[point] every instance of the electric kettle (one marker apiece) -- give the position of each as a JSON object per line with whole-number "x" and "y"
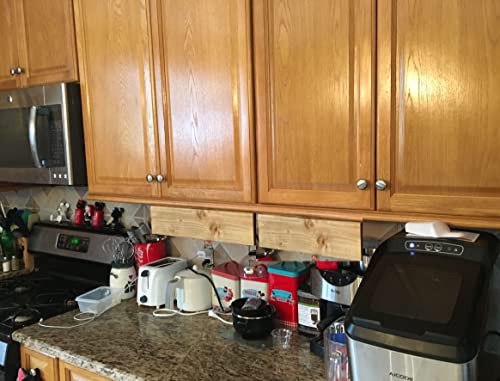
{"x": 193, "y": 292}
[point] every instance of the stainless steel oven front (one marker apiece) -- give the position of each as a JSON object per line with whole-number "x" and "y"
{"x": 41, "y": 135}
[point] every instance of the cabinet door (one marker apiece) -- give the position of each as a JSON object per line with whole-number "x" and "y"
{"x": 207, "y": 139}
{"x": 69, "y": 372}
{"x": 314, "y": 101}
{"x": 47, "y": 52}
{"x": 438, "y": 106}
{"x": 48, "y": 366}
{"x": 8, "y": 45}
{"x": 116, "y": 77}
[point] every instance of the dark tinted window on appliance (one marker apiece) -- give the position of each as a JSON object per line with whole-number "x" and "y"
{"x": 413, "y": 291}
{"x": 50, "y": 136}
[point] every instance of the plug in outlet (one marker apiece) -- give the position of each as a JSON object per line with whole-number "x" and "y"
{"x": 205, "y": 257}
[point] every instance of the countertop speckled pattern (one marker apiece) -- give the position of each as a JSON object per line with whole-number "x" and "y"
{"x": 127, "y": 343}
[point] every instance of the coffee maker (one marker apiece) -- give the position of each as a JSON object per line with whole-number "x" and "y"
{"x": 335, "y": 288}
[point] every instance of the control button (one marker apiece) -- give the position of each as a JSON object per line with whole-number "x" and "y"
{"x": 428, "y": 246}
{"x": 145, "y": 273}
{"x": 60, "y": 176}
{"x": 65, "y": 175}
{"x": 143, "y": 299}
{"x": 54, "y": 175}
{"x": 438, "y": 247}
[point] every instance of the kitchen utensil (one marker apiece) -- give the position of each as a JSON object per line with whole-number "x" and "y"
{"x": 284, "y": 281}
{"x": 153, "y": 279}
{"x": 336, "y": 358}
{"x": 226, "y": 278}
{"x": 193, "y": 292}
{"x": 252, "y": 324}
{"x": 282, "y": 338}
{"x": 149, "y": 252}
{"x": 123, "y": 276}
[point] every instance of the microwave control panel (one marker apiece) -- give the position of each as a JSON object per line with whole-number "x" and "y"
{"x": 73, "y": 243}
{"x": 434, "y": 246}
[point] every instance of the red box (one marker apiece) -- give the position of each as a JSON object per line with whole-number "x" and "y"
{"x": 284, "y": 281}
{"x": 149, "y": 252}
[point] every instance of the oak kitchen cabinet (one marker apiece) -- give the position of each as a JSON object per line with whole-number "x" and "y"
{"x": 314, "y": 64}
{"x": 167, "y": 87}
{"x": 438, "y": 107}
{"x": 35, "y": 51}
{"x": 117, "y": 84}
{"x": 54, "y": 369}
{"x": 205, "y": 93}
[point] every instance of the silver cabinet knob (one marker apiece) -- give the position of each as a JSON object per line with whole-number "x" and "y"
{"x": 381, "y": 185}
{"x": 19, "y": 70}
{"x": 12, "y": 71}
{"x": 362, "y": 184}
{"x": 160, "y": 178}
{"x": 149, "y": 178}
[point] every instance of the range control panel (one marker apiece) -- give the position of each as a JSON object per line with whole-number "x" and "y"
{"x": 73, "y": 243}
{"x": 433, "y": 246}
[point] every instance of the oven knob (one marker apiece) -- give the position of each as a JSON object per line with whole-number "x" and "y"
{"x": 143, "y": 299}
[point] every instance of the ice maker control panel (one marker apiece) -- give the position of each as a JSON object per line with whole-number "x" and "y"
{"x": 434, "y": 246}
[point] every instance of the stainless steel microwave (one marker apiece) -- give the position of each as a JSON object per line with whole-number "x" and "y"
{"x": 41, "y": 136}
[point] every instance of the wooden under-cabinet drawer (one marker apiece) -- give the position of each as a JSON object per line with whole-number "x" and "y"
{"x": 338, "y": 239}
{"x": 47, "y": 365}
{"x": 214, "y": 225}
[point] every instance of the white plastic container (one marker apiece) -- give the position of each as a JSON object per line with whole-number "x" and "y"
{"x": 254, "y": 283}
{"x": 99, "y": 300}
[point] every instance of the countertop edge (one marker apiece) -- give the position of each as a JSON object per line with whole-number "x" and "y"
{"x": 73, "y": 358}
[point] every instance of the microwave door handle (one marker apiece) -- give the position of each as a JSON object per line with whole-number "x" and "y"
{"x": 32, "y": 137}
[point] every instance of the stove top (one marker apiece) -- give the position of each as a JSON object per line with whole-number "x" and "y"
{"x": 26, "y": 299}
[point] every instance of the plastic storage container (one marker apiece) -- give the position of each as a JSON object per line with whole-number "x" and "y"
{"x": 254, "y": 282}
{"x": 284, "y": 281}
{"x": 226, "y": 278}
{"x": 99, "y": 300}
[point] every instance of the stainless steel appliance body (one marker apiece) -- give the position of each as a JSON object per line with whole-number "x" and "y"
{"x": 372, "y": 363}
{"x": 41, "y": 135}
{"x": 420, "y": 312}
{"x": 334, "y": 286}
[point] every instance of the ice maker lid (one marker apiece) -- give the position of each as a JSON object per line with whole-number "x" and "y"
{"x": 419, "y": 303}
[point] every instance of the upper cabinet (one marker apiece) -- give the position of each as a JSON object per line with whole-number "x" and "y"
{"x": 38, "y": 43}
{"x": 438, "y": 107}
{"x": 116, "y": 78}
{"x": 8, "y": 46}
{"x": 314, "y": 66}
{"x": 205, "y": 100}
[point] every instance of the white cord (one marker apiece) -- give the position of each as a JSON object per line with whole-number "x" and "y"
{"x": 83, "y": 321}
{"x": 168, "y": 312}
{"x": 215, "y": 314}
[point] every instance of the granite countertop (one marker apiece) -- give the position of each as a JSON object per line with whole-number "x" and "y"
{"x": 128, "y": 343}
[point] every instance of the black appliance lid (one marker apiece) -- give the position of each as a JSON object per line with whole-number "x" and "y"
{"x": 421, "y": 303}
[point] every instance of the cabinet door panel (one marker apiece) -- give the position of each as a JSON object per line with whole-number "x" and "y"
{"x": 314, "y": 99}
{"x": 48, "y": 366}
{"x": 206, "y": 78}
{"x": 48, "y": 51}
{"x": 69, "y": 372}
{"x": 438, "y": 110}
{"x": 115, "y": 56}
{"x": 8, "y": 45}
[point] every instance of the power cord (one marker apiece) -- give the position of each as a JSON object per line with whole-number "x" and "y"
{"x": 77, "y": 317}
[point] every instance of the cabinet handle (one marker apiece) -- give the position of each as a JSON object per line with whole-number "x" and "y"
{"x": 381, "y": 185}
{"x": 149, "y": 178}
{"x": 362, "y": 184}
{"x": 12, "y": 71}
{"x": 160, "y": 178}
{"x": 19, "y": 70}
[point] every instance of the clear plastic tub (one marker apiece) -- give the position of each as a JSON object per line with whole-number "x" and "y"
{"x": 99, "y": 300}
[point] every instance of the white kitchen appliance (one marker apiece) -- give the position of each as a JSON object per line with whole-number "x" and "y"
{"x": 420, "y": 311}
{"x": 193, "y": 292}
{"x": 153, "y": 280}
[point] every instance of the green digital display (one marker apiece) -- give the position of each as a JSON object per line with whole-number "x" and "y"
{"x": 75, "y": 241}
